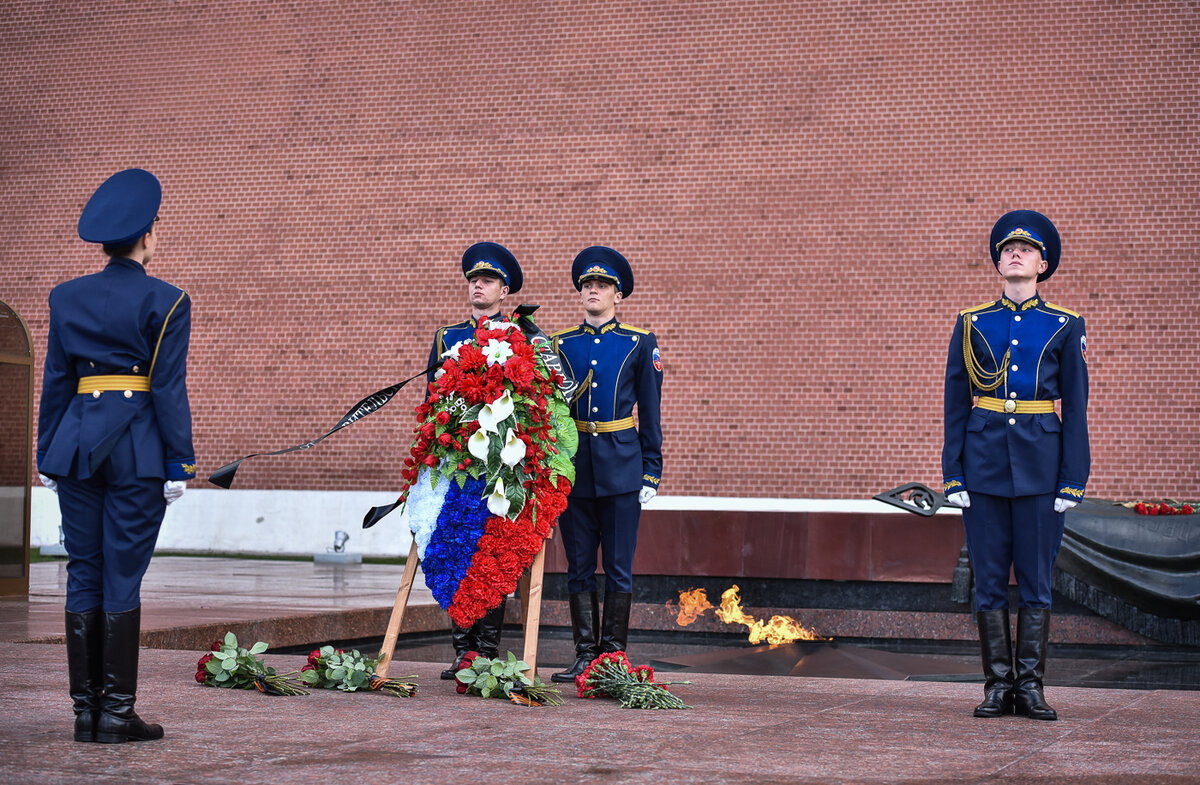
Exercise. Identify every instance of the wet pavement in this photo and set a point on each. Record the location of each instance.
(747, 724)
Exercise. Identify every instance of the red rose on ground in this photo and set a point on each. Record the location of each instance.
(216, 646)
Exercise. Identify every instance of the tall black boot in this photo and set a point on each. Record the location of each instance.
(995, 640)
(614, 635)
(487, 631)
(585, 618)
(118, 722)
(464, 641)
(85, 669)
(1033, 638)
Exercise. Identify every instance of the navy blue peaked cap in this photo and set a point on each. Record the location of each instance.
(1032, 227)
(495, 260)
(601, 262)
(122, 209)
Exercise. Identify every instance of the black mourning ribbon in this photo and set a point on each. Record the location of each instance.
(223, 477)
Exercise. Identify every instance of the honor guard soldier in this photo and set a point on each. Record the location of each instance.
(115, 443)
(618, 467)
(492, 274)
(1009, 460)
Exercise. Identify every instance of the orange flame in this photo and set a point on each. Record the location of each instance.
(692, 603)
(780, 629)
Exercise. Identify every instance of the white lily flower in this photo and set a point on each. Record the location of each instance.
(513, 450)
(439, 373)
(499, 324)
(453, 350)
(496, 412)
(497, 352)
(498, 503)
(477, 445)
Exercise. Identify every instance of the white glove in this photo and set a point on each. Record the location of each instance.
(173, 489)
(647, 493)
(960, 499)
(49, 483)
(1062, 505)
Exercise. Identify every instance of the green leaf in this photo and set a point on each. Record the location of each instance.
(230, 639)
(212, 666)
(221, 655)
(338, 673)
(482, 678)
(496, 668)
(229, 664)
(513, 658)
(465, 676)
(258, 648)
(491, 684)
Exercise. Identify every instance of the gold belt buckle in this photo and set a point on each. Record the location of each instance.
(1010, 406)
(591, 428)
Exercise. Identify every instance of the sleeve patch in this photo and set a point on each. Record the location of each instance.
(657, 360)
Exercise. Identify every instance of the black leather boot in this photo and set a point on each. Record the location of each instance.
(995, 640)
(118, 722)
(85, 669)
(464, 641)
(585, 617)
(614, 635)
(487, 631)
(1033, 638)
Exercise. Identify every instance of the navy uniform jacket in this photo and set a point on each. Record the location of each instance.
(117, 322)
(626, 369)
(448, 336)
(1011, 453)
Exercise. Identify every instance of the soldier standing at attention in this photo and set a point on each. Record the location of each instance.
(115, 444)
(618, 467)
(492, 274)
(1008, 459)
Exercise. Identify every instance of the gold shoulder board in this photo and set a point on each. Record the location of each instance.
(973, 308)
(631, 328)
(1067, 311)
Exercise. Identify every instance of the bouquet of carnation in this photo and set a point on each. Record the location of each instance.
(1168, 507)
(503, 678)
(611, 675)
(230, 665)
(490, 467)
(337, 669)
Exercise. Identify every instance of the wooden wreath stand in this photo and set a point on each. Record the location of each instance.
(531, 608)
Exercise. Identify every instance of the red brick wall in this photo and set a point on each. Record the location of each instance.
(804, 190)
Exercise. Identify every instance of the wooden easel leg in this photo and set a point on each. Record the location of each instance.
(534, 614)
(393, 628)
(523, 588)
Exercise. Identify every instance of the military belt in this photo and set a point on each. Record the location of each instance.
(1013, 406)
(99, 384)
(593, 427)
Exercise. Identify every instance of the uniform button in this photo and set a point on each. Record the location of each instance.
(1014, 367)
(593, 362)
(1012, 420)
(135, 369)
(1012, 395)
(597, 340)
(595, 408)
(1014, 341)
(595, 384)
(1017, 318)
(635, 339)
(1062, 319)
(91, 363)
(974, 318)
(95, 393)
(129, 393)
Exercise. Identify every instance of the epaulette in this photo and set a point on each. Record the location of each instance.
(634, 329)
(564, 331)
(1067, 311)
(445, 327)
(974, 308)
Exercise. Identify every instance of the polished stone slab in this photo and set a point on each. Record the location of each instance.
(742, 729)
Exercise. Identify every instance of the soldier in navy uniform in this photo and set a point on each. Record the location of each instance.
(492, 274)
(115, 444)
(1011, 463)
(618, 467)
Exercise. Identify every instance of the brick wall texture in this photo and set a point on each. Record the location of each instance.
(804, 190)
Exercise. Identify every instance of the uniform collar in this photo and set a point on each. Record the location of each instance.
(122, 261)
(1032, 302)
(608, 326)
(475, 323)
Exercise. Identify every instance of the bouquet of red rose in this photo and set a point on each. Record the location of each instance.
(611, 675)
(337, 669)
(230, 665)
(503, 678)
(490, 468)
